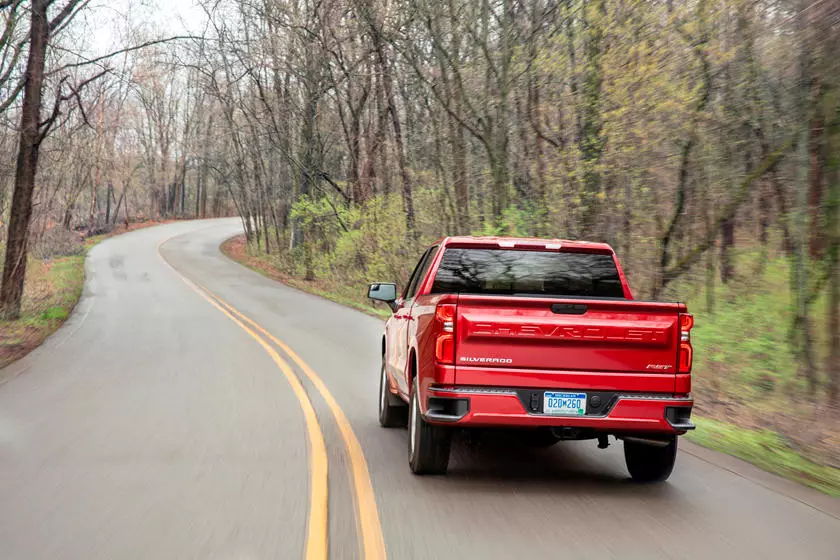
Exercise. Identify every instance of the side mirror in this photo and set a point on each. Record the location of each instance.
(384, 291)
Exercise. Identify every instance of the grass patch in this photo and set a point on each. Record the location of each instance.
(54, 313)
(53, 286)
(767, 450)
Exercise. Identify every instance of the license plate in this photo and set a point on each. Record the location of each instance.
(564, 404)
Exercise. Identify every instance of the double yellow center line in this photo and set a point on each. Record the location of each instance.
(367, 515)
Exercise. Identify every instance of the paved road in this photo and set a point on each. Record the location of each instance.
(154, 426)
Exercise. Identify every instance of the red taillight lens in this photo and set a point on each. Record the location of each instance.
(445, 349)
(686, 357)
(686, 351)
(445, 343)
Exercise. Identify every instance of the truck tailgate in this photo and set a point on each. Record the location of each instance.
(568, 335)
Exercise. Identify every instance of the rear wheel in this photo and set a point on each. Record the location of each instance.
(650, 463)
(392, 410)
(428, 445)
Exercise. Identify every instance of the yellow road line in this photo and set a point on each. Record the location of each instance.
(316, 536)
(373, 544)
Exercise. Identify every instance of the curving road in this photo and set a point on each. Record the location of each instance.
(154, 425)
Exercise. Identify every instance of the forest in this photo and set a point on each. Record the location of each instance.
(700, 138)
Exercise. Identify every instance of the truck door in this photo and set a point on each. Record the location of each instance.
(397, 327)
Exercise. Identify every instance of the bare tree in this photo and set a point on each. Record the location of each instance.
(33, 130)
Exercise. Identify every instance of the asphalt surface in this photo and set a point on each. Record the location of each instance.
(153, 426)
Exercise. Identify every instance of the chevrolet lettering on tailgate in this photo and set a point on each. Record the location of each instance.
(618, 334)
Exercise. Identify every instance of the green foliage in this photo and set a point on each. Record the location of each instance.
(744, 342)
(375, 246)
(524, 220)
(321, 217)
(53, 313)
(742, 347)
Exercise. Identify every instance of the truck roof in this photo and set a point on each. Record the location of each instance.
(485, 241)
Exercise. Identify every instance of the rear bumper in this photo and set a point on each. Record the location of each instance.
(496, 407)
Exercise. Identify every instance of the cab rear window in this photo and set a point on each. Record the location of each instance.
(527, 273)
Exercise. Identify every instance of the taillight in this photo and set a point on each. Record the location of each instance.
(686, 351)
(445, 343)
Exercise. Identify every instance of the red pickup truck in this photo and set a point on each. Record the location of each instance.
(538, 335)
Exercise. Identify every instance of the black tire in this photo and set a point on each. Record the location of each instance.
(428, 445)
(650, 463)
(539, 438)
(393, 413)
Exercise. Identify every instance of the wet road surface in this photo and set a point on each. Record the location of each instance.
(156, 424)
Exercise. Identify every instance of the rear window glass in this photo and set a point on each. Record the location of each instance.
(540, 273)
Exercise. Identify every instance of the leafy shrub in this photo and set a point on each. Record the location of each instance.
(355, 245)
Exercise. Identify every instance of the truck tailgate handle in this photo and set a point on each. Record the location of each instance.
(569, 308)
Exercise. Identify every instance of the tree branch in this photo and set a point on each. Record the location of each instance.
(75, 93)
(119, 52)
(728, 213)
(66, 14)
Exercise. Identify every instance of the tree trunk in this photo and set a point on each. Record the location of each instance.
(216, 207)
(125, 210)
(408, 198)
(727, 241)
(203, 208)
(523, 182)
(173, 197)
(535, 116)
(68, 217)
(816, 237)
(94, 204)
(627, 220)
(378, 161)
(358, 191)
(388, 89)
(197, 195)
(117, 209)
(108, 203)
(309, 148)
(801, 327)
(458, 142)
(94, 187)
(832, 365)
(501, 170)
(14, 269)
(763, 217)
(591, 142)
